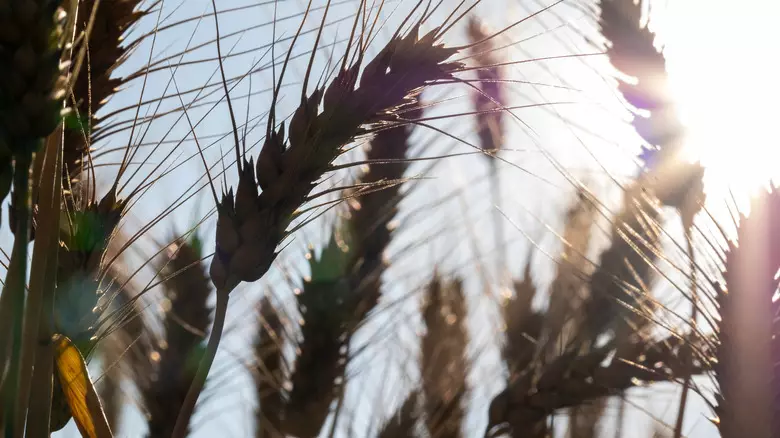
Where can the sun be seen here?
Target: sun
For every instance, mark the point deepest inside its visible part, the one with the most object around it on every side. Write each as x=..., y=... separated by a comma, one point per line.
x=723, y=61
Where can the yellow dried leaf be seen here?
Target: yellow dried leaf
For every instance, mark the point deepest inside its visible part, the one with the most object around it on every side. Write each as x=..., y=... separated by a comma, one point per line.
x=79, y=391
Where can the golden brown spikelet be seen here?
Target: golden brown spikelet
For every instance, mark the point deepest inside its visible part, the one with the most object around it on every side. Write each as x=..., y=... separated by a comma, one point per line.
x=404, y=421
x=748, y=397
x=444, y=365
x=187, y=290
x=270, y=373
x=251, y=225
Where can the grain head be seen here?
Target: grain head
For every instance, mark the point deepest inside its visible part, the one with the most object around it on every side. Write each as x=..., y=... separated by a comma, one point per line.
x=444, y=363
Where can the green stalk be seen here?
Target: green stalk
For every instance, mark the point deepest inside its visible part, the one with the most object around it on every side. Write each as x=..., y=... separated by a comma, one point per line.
x=188, y=405
x=36, y=381
x=15, y=283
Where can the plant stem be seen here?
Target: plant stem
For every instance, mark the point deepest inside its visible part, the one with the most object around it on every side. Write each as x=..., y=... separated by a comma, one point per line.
x=16, y=280
x=688, y=351
x=498, y=223
x=188, y=405
x=38, y=347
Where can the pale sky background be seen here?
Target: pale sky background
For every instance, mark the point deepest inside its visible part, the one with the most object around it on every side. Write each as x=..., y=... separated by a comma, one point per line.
x=724, y=67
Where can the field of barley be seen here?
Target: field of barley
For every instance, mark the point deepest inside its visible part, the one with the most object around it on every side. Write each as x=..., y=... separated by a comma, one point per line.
x=389, y=218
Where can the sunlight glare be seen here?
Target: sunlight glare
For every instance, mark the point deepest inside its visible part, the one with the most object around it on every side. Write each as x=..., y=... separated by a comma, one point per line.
x=724, y=69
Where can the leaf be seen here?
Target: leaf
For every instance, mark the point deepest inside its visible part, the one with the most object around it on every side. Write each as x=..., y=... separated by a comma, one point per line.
x=79, y=391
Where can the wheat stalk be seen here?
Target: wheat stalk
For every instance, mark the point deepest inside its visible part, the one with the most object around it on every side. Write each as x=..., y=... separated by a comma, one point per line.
x=747, y=351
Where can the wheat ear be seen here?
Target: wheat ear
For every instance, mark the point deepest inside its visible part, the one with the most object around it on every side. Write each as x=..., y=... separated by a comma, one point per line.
x=573, y=379
x=187, y=317
x=271, y=372
x=624, y=271
x=523, y=326
x=444, y=365
x=572, y=269
x=95, y=85
x=349, y=272
x=250, y=225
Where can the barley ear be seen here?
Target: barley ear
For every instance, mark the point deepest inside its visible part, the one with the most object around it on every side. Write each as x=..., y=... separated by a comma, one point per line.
x=444, y=365
x=747, y=352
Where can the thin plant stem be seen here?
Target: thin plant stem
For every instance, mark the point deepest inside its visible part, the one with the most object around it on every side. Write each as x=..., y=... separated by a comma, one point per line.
x=199, y=381
x=15, y=285
x=37, y=373
x=687, y=353
x=498, y=222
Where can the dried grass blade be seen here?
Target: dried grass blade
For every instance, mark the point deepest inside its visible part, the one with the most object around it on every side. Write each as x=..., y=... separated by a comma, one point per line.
x=82, y=398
